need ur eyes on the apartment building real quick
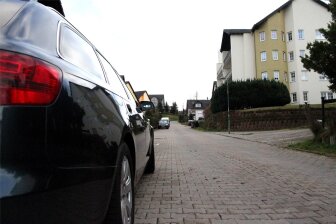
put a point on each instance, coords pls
(270, 47)
(278, 42)
(237, 55)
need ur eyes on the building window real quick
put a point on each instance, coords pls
(302, 53)
(283, 36)
(323, 77)
(292, 76)
(324, 95)
(290, 36)
(264, 75)
(294, 98)
(262, 36)
(330, 96)
(305, 96)
(301, 34)
(291, 56)
(327, 95)
(263, 56)
(274, 35)
(319, 35)
(198, 105)
(285, 76)
(276, 75)
(284, 56)
(275, 55)
(304, 75)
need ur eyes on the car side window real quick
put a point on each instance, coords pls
(79, 52)
(113, 78)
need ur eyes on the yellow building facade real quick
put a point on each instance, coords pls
(270, 48)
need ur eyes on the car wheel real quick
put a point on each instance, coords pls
(150, 168)
(121, 210)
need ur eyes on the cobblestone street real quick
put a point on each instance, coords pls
(214, 178)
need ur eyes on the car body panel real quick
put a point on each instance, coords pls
(58, 161)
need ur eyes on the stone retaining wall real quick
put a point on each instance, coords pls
(246, 120)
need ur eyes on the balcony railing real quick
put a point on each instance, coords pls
(227, 60)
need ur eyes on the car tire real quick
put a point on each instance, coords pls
(121, 209)
(150, 167)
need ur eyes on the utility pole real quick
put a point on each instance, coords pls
(228, 104)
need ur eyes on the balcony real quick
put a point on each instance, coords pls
(227, 60)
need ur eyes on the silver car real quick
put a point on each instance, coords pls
(164, 123)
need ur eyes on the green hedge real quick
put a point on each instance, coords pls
(250, 94)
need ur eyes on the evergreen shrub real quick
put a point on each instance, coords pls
(250, 94)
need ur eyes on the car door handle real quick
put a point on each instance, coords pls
(129, 108)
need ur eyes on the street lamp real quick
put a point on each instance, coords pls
(228, 103)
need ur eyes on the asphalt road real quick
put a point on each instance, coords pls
(205, 177)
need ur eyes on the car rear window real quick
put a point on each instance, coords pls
(8, 9)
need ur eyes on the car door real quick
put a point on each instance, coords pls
(138, 124)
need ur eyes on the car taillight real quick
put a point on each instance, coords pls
(25, 80)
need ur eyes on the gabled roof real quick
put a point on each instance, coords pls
(191, 104)
(157, 96)
(258, 24)
(140, 93)
(226, 41)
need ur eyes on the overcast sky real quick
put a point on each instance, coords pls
(166, 47)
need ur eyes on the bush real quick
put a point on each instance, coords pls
(250, 94)
(317, 129)
(322, 135)
(183, 118)
(154, 116)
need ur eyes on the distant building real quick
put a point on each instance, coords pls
(196, 108)
(271, 50)
(156, 99)
(142, 96)
(237, 56)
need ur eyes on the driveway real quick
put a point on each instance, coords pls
(281, 138)
(218, 178)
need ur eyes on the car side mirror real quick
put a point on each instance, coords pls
(146, 105)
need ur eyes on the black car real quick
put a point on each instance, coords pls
(73, 143)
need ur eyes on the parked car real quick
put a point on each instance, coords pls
(73, 143)
(164, 123)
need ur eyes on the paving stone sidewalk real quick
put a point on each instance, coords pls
(213, 179)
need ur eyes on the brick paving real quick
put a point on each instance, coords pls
(280, 138)
(212, 178)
